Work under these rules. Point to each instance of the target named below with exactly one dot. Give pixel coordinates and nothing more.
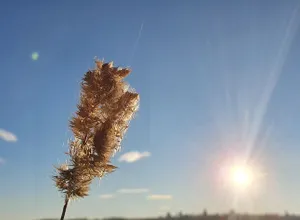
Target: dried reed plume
(107, 104)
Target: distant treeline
(204, 216)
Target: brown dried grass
(103, 114)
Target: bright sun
(241, 176)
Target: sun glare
(242, 176)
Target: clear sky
(219, 84)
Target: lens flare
(35, 56)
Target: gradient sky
(219, 84)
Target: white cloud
(2, 161)
(133, 191)
(159, 197)
(7, 136)
(133, 156)
(107, 196)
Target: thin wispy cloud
(159, 197)
(136, 43)
(107, 196)
(7, 136)
(134, 156)
(133, 191)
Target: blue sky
(218, 83)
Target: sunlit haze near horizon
(218, 124)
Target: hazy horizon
(180, 215)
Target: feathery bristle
(107, 104)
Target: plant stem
(64, 209)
